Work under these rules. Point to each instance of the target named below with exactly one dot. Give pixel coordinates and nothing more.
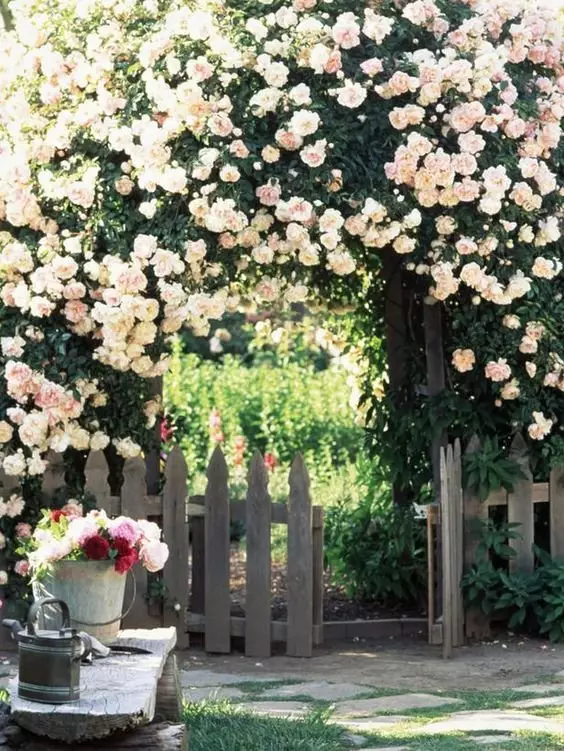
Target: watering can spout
(14, 626)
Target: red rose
(122, 546)
(96, 548)
(56, 515)
(125, 562)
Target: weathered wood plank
(278, 629)
(541, 494)
(96, 480)
(431, 513)
(520, 510)
(154, 737)
(318, 584)
(557, 512)
(300, 552)
(457, 478)
(117, 693)
(238, 511)
(175, 531)
(8, 484)
(168, 706)
(446, 556)
(475, 516)
(133, 492)
(54, 475)
(257, 604)
(198, 562)
(218, 601)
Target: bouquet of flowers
(69, 534)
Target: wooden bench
(132, 701)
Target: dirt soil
(406, 665)
(337, 606)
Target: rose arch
(164, 161)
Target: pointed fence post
(175, 529)
(258, 522)
(96, 479)
(218, 598)
(556, 499)
(300, 553)
(475, 516)
(520, 510)
(133, 494)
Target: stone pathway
(364, 717)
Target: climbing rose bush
(163, 162)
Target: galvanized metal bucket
(94, 592)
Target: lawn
(221, 726)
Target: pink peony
(149, 530)
(81, 529)
(153, 555)
(125, 529)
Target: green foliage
(488, 469)
(377, 550)
(277, 409)
(531, 601)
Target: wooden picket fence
(167, 510)
(210, 519)
(208, 556)
(455, 532)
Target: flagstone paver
(543, 701)
(320, 691)
(493, 719)
(196, 678)
(388, 748)
(204, 693)
(370, 724)
(287, 709)
(539, 688)
(363, 707)
(354, 740)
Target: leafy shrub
(279, 410)
(377, 550)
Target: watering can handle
(36, 607)
(121, 616)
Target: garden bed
(337, 605)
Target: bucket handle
(104, 623)
(36, 607)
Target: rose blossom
(22, 568)
(23, 530)
(153, 554)
(498, 370)
(463, 360)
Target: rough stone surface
(366, 707)
(205, 693)
(321, 690)
(288, 709)
(371, 724)
(354, 740)
(491, 740)
(539, 688)
(197, 678)
(380, 748)
(493, 719)
(543, 701)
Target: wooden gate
(210, 605)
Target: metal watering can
(49, 661)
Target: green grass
(218, 726)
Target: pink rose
(22, 568)
(23, 530)
(498, 370)
(153, 555)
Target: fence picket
(556, 497)
(133, 492)
(475, 515)
(520, 510)
(96, 479)
(257, 606)
(300, 552)
(175, 529)
(446, 540)
(198, 562)
(8, 484)
(54, 475)
(318, 584)
(456, 476)
(217, 597)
